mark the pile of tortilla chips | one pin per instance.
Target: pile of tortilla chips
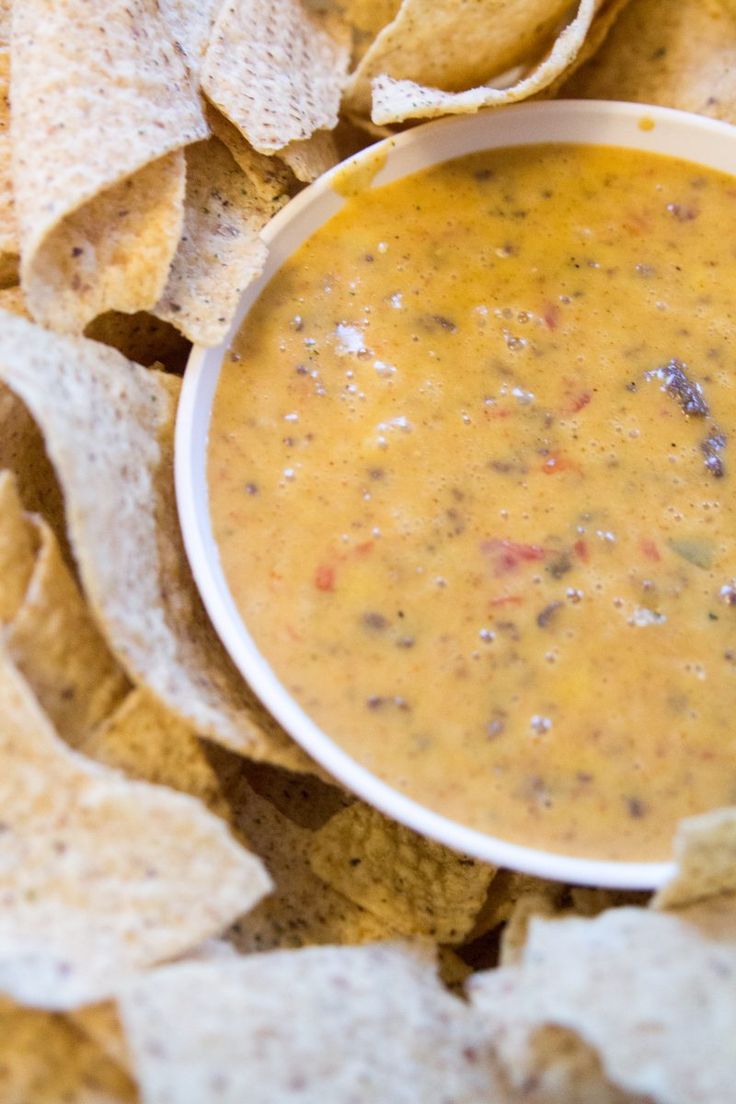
(190, 911)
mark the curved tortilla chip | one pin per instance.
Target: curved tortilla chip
(220, 251)
(99, 875)
(397, 100)
(100, 108)
(276, 70)
(108, 425)
(57, 647)
(453, 46)
(679, 55)
(343, 1025)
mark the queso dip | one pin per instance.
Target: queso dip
(472, 474)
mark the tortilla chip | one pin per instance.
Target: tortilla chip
(149, 743)
(190, 26)
(438, 43)
(18, 544)
(705, 852)
(417, 886)
(99, 199)
(101, 1024)
(220, 251)
(395, 100)
(108, 425)
(305, 799)
(23, 452)
(269, 179)
(322, 1024)
(650, 993)
(275, 70)
(678, 55)
(366, 18)
(9, 245)
(311, 157)
(141, 337)
(543, 903)
(44, 1059)
(12, 299)
(100, 875)
(302, 910)
(57, 647)
(605, 17)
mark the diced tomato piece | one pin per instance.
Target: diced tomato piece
(581, 549)
(580, 401)
(496, 411)
(506, 600)
(508, 555)
(555, 464)
(324, 577)
(649, 549)
(364, 548)
(551, 316)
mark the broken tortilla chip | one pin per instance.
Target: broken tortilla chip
(220, 251)
(57, 647)
(678, 55)
(649, 992)
(268, 177)
(327, 1023)
(276, 70)
(305, 799)
(141, 337)
(395, 100)
(44, 1059)
(99, 199)
(705, 853)
(100, 875)
(18, 545)
(415, 885)
(108, 424)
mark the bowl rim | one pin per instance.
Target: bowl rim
(600, 122)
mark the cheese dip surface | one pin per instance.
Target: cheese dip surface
(471, 470)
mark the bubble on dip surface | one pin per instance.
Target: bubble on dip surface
(471, 478)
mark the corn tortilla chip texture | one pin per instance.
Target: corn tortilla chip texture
(454, 45)
(276, 70)
(100, 875)
(705, 853)
(327, 1023)
(96, 103)
(109, 424)
(220, 251)
(9, 245)
(18, 545)
(45, 1059)
(395, 100)
(678, 55)
(649, 992)
(417, 886)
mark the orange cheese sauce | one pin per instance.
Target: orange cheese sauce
(471, 472)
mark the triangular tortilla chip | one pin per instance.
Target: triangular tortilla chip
(311, 157)
(99, 875)
(269, 178)
(415, 885)
(396, 100)
(108, 423)
(149, 743)
(276, 70)
(57, 647)
(336, 1024)
(449, 46)
(44, 1059)
(100, 112)
(220, 251)
(678, 55)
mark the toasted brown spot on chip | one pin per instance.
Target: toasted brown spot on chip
(276, 70)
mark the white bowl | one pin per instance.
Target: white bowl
(654, 129)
